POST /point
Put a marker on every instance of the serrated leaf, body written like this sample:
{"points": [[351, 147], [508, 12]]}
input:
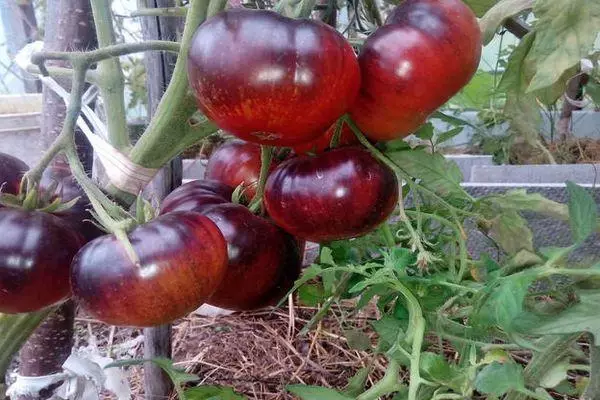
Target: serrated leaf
{"points": [[357, 340], [505, 302], [498, 379], [389, 329], [451, 119], [582, 212], [581, 317], [368, 295], [433, 170], [480, 7], [425, 132], [499, 13], [435, 368], [306, 392], [212, 393], [576, 23], [311, 295], [511, 232], [326, 256], [399, 258], [521, 107]]}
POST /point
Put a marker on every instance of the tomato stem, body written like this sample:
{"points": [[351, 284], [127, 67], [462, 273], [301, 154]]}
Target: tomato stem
{"points": [[14, 331], [266, 155], [335, 139]]}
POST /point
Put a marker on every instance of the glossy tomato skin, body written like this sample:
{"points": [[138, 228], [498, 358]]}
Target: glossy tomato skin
{"points": [[236, 162], [427, 51], [264, 261], [183, 257], [270, 79], [36, 250], [323, 142], [66, 190], [193, 195], [12, 170], [340, 194]]}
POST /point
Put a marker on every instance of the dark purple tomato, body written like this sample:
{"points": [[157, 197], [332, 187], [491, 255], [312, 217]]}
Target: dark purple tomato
{"points": [[190, 196], [264, 261], [182, 260], [36, 250], [66, 190], [340, 194], [11, 171], [235, 163], [426, 52], [270, 79]]}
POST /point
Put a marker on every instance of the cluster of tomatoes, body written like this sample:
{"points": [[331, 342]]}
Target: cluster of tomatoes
{"points": [[268, 80]]}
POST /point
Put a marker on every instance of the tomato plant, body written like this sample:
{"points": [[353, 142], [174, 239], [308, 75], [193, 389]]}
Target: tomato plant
{"points": [[270, 79], [178, 261], [257, 275], [236, 163], [336, 195], [36, 250], [426, 52], [11, 172]]}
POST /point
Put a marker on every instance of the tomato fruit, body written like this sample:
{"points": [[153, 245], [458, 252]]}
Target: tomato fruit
{"points": [[11, 171], [36, 250], [270, 79], [66, 190], [424, 54], [236, 162], [195, 194], [264, 261], [182, 260], [340, 194], [323, 142]]}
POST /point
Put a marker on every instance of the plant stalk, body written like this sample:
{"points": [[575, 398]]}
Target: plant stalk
{"points": [[266, 155], [592, 391], [110, 78]]}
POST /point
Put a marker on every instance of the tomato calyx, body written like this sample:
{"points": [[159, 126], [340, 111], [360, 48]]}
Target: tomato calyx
{"points": [[36, 199]]}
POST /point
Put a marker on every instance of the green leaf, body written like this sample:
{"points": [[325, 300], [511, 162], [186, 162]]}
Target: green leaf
{"points": [[521, 107], [480, 7], [581, 317], [425, 132], [505, 302], [356, 384], [556, 374], [435, 368], [326, 256], [433, 170], [445, 136], [316, 393], [498, 379], [477, 94], [592, 89], [582, 212], [499, 13], [511, 232], [212, 393], [451, 119], [566, 31], [368, 295], [311, 295], [357, 340], [389, 329], [399, 258]]}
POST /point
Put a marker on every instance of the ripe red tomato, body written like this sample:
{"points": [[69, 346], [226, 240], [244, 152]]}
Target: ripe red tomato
{"points": [[270, 79], [67, 189], [183, 258], [323, 142], [36, 250], [340, 194], [236, 162], [11, 171], [264, 261], [427, 51]]}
